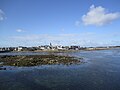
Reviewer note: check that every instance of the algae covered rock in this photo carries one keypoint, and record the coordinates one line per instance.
(34, 60)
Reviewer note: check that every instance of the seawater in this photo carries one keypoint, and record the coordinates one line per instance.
(100, 72)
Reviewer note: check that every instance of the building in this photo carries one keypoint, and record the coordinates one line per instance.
(74, 48)
(20, 48)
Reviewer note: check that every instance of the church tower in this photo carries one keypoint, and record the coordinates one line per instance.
(50, 44)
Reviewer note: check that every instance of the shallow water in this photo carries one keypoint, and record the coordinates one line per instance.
(100, 72)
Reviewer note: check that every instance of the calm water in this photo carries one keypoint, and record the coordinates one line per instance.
(100, 72)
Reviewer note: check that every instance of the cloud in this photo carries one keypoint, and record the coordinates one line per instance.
(20, 30)
(82, 39)
(2, 15)
(55, 39)
(43, 37)
(99, 16)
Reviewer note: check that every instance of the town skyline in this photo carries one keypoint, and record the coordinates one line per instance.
(61, 22)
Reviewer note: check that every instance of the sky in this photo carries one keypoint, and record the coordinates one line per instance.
(60, 22)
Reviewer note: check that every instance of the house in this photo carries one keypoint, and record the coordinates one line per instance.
(59, 48)
(42, 48)
(20, 48)
(74, 48)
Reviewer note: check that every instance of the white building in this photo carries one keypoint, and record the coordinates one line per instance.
(20, 48)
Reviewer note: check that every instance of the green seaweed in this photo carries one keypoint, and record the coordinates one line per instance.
(34, 60)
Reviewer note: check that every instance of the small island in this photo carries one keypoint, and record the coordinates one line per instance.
(35, 60)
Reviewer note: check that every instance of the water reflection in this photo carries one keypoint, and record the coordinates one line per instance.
(101, 72)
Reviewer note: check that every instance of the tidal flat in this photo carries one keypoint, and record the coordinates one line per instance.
(35, 60)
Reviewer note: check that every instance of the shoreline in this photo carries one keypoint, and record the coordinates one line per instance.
(56, 50)
(94, 49)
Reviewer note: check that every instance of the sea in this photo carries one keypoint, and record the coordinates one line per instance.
(100, 71)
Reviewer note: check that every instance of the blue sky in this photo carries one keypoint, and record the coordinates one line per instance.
(61, 22)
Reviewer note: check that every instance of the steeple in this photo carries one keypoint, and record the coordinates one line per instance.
(50, 44)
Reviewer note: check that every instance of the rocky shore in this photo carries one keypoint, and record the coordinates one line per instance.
(34, 60)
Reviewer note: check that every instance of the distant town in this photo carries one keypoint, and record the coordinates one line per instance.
(53, 48)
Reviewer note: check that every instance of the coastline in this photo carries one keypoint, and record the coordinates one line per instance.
(87, 49)
(94, 49)
(37, 49)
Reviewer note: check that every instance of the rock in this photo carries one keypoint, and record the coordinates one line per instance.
(34, 60)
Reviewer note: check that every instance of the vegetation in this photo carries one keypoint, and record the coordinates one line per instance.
(34, 60)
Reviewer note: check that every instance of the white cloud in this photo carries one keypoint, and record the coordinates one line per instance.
(99, 16)
(20, 30)
(55, 39)
(2, 15)
(82, 39)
